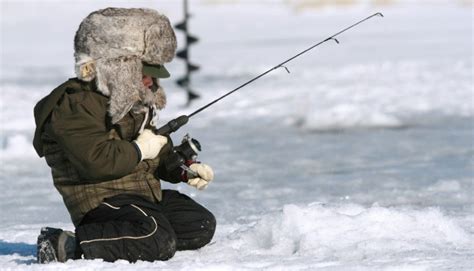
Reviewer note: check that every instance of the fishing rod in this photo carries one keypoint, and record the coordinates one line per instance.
(178, 122)
(185, 154)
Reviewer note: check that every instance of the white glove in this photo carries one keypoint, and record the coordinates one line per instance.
(150, 144)
(205, 176)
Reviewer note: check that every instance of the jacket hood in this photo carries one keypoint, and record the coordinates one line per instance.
(45, 106)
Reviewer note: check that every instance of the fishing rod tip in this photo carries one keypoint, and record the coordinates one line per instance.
(379, 14)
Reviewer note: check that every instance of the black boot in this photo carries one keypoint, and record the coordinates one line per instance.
(55, 245)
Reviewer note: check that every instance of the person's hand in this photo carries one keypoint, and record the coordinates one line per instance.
(205, 176)
(150, 144)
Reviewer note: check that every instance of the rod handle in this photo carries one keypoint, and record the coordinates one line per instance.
(172, 126)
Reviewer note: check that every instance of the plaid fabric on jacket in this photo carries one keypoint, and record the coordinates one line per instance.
(90, 158)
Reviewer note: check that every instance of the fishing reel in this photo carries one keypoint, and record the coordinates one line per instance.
(184, 155)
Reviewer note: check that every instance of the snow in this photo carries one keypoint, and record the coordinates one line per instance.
(304, 236)
(361, 158)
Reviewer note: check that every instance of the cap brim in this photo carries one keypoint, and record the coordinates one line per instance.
(156, 71)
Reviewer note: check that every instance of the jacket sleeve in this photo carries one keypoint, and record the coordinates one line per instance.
(161, 170)
(158, 166)
(78, 125)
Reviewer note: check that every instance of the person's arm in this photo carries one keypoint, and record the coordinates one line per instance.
(168, 159)
(161, 171)
(78, 125)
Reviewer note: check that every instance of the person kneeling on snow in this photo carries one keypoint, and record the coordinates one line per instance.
(95, 132)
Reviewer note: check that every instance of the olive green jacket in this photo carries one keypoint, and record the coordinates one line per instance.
(90, 158)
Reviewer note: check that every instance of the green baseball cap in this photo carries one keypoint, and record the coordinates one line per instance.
(156, 71)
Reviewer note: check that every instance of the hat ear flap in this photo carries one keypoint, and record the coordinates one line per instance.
(160, 98)
(86, 71)
(121, 80)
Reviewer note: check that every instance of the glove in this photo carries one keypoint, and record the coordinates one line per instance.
(205, 176)
(149, 144)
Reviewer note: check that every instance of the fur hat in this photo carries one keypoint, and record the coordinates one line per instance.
(110, 46)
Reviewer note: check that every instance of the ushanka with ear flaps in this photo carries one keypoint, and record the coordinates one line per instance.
(111, 46)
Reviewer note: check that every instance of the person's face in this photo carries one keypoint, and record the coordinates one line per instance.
(147, 81)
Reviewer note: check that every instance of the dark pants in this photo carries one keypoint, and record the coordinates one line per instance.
(131, 228)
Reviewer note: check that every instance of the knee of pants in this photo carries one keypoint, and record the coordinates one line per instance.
(200, 238)
(165, 246)
(210, 228)
(154, 249)
(127, 241)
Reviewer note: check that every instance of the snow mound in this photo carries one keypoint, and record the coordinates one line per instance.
(352, 231)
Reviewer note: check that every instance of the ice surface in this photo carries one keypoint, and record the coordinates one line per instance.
(361, 158)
